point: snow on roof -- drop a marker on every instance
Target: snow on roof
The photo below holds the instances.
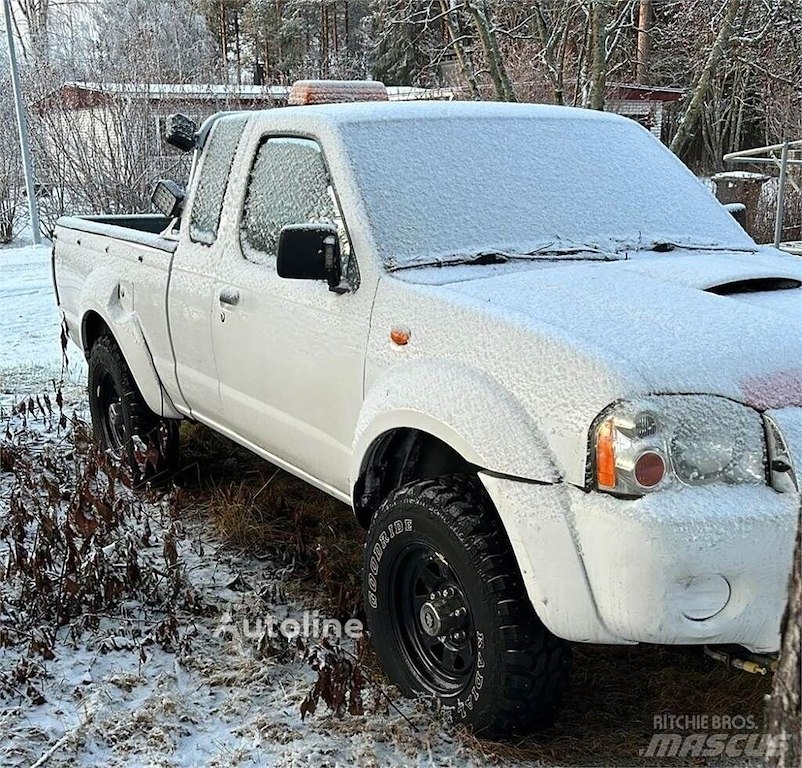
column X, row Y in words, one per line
column 739, row 176
column 182, row 90
column 422, row 109
column 219, row 91
column 409, row 93
column 641, row 92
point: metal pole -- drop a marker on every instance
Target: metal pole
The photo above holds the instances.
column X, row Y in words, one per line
column 22, row 127
column 778, row 221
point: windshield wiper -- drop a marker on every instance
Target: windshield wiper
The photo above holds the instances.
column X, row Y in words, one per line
column 666, row 246
column 565, row 251
column 552, row 251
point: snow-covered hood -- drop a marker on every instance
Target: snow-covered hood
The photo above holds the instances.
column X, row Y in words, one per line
column 717, row 323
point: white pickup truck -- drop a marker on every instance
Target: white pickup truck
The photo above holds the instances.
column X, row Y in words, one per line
column 557, row 382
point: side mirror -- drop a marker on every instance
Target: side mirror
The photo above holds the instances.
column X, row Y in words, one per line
column 181, row 132
column 168, row 198
column 310, row 252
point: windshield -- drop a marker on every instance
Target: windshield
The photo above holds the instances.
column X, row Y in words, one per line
column 443, row 189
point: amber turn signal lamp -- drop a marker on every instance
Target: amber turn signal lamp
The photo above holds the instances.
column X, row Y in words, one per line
column 399, row 336
column 605, row 456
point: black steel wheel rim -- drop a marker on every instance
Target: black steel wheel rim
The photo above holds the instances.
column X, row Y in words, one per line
column 432, row 620
column 112, row 420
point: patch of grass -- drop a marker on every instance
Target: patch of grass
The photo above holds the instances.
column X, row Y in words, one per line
column 265, row 511
column 608, row 716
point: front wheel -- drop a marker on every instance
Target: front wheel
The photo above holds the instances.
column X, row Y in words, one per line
column 449, row 614
column 120, row 415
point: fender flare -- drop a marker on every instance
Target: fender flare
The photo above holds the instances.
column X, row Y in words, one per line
column 462, row 406
column 127, row 333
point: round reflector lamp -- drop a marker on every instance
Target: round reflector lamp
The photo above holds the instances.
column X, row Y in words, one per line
column 650, row 469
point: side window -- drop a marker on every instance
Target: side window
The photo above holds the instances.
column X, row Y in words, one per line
column 289, row 184
column 218, row 157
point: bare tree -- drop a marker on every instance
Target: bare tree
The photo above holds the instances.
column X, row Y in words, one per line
column 12, row 201
column 733, row 33
column 608, row 24
column 644, row 28
column 487, row 34
column 96, row 147
column 554, row 23
column 447, row 8
column 36, row 14
column 598, row 57
column 693, row 112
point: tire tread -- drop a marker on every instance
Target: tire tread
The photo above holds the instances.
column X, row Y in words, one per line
column 535, row 662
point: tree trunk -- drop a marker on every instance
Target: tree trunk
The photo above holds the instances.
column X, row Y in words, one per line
column 238, row 46
column 598, row 42
column 690, row 119
column 498, row 72
column 324, row 39
column 336, row 36
column 644, row 32
column 462, row 57
column 553, row 69
column 224, row 37
column 783, row 716
column 279, row 33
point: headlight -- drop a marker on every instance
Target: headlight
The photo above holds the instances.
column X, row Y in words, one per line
column 640, row 446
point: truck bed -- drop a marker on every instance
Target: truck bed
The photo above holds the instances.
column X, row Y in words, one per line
column 143, row 229
column 118, row 268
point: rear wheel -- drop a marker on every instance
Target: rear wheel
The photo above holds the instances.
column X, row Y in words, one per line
column 120, row 415
column 449, row 614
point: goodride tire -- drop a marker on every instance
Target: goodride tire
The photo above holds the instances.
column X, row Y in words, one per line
column 448, row 612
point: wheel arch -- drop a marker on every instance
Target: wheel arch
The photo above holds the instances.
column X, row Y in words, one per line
column 398, row 456
column 93, row 326
column 417, row 419
column 130, row 340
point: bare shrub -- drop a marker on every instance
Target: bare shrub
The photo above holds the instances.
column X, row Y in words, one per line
column 12, row 201
column 76, row 540
column 340, row 681
column 103, row 156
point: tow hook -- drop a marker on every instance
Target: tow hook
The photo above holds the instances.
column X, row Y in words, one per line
column 740, row 658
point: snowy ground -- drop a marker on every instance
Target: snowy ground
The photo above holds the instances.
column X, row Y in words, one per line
column 30, row 351
column 113, row 696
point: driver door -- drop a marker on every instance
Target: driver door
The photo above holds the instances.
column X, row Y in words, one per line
column 290, row 353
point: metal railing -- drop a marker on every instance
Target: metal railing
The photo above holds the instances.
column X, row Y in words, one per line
column 790, row 153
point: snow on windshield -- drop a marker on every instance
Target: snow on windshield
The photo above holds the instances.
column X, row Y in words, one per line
column 451, row 187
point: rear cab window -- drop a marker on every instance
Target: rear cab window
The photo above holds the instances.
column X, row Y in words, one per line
column 213, row 175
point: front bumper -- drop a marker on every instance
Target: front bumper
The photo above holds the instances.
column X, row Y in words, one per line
column 702, row 565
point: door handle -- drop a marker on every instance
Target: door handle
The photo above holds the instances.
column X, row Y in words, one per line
column 229, row 296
